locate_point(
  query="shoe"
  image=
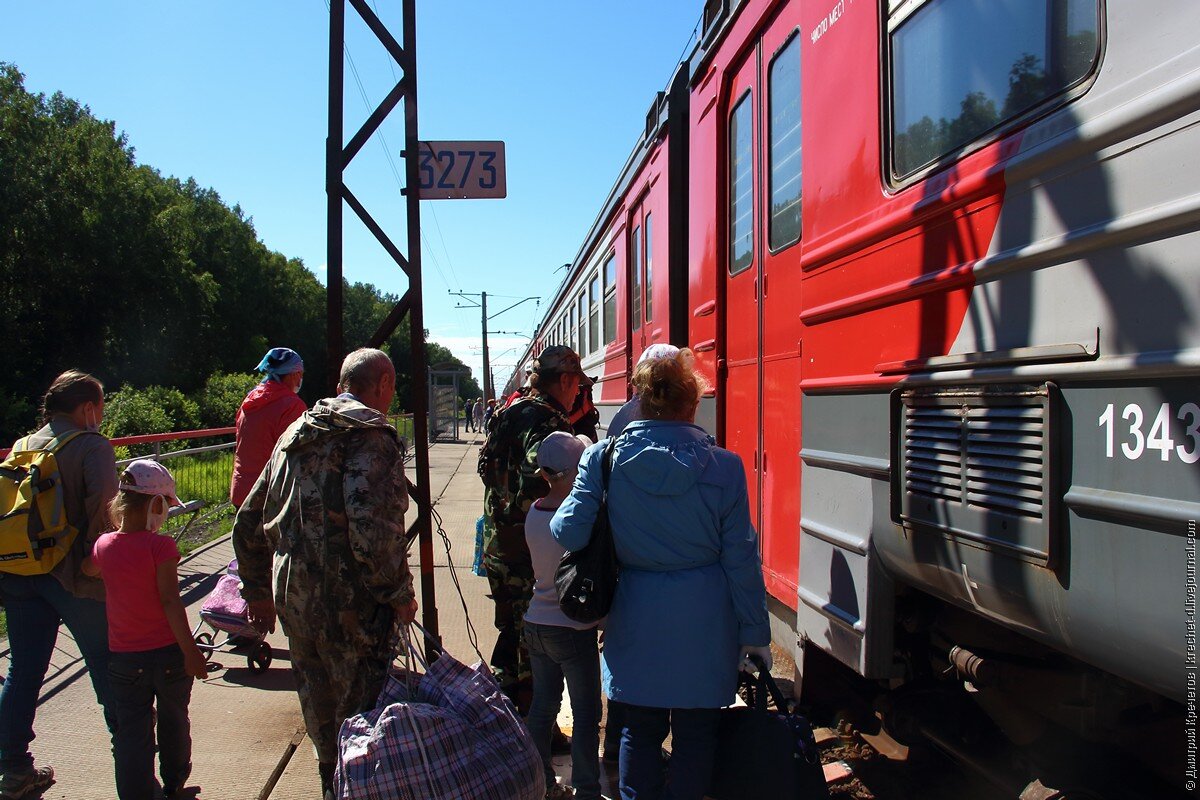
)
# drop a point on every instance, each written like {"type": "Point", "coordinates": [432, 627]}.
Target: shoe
{"type": "Point", "coordinates": [172, 789]}
{"type": "Point", "coordinates": [16, 785]}
{"type": "Point", "coordinates": [560, 743]}
{"type": "Point", "coordinates": [558, 791]}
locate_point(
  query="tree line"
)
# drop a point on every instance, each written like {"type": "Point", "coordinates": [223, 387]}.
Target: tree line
{"type": "Point", "coordinates": [144, 280]}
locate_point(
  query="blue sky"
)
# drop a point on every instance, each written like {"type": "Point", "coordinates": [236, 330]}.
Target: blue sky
{"type": "Point", "coordinates": [234, 95]}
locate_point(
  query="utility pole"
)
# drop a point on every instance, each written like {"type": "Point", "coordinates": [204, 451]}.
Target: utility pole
{"type": "Point", "coordinates": [488, 383]}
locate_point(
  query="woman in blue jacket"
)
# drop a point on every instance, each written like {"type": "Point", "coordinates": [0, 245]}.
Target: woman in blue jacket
{"type": "Point", "coordinates": [690, 606]}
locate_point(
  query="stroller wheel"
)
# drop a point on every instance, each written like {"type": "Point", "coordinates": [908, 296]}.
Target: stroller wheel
{"type": "Point", "coordinates": [259, 659]}
{"type": "Point", "coordinates": [204, 641]}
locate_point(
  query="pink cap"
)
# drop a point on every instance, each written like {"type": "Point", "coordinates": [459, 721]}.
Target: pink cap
{"type": "Point", "coordinates": [149, 477]}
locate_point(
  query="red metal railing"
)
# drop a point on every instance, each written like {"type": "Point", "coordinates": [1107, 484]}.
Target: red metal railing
{"type": "Point", "coordinates": [152, 438]}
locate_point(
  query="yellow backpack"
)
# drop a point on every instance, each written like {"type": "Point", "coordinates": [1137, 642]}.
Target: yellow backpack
{"type": "Point", "coordinates": [34, 532]}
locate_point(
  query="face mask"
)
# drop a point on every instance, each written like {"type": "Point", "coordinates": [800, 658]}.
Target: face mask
{"type": "Point", "coordinates": [90, 422]}
{"type": "Point", "coordinates": [298, 385]}
{"type": "Point", "coordinates": [155, 519]}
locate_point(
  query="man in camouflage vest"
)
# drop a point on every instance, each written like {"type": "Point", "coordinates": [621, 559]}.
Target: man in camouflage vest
{"type": "Point", "coordinates": [508, 466]}
{"type": "Point", "coordinates": [327, 514]}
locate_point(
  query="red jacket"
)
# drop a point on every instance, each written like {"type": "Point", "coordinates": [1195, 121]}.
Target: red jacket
{"type": "Point", "coordinates": [265, 414]}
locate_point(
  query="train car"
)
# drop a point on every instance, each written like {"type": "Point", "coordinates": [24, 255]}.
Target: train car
{"type": "Point", "coordinates": [940, 267]}
{"type": "Point", "coordinates": [614, 300]}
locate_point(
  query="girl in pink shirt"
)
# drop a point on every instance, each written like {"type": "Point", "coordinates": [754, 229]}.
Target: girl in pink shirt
{"type": "Point", "coordinates": [154, 659]}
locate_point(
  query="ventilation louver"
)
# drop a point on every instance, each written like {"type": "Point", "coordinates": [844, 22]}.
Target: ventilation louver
{"type": "Point", "coordinates": [976, 464]}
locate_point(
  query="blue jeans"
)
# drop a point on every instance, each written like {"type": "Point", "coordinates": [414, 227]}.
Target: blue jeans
{"type": "Point", "coordinates": [557, 653]}
{"type": "Point", "coordinates": [693, 749]}
{"type": "Point", "coordinates": [141, 681]}
{"type": "Point", "coordinates": [35, 605]}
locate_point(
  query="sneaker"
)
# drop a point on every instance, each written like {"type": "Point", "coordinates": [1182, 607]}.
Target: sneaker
{"type": "Point", "coordinates": [559, 791]}
{"type": "Point", "coordinates": [16, 785]}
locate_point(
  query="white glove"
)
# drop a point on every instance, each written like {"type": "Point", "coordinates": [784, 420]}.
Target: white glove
{"type": "Point", "coordinates": [763, 654]}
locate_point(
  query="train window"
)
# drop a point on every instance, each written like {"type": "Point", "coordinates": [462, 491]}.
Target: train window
{"type": "Point", "coordinates": [649, 271]}
{"type": "Point", "coordinates": [570, 320]}
{"type": "Point", "coordinates": [581, 315]}
{"type": "Point", "coordinates": [610, 299]}
{"type": "Point", "coordinates": [961, 70]}
{"type": "Point", "coordinates": [594, 313]}
{"type": "Point", "coordinates": [635, 291]}
{"type": "Point", "coordinates": [784, 87]}
{"type": "Point", "coordinates": [741, 186]}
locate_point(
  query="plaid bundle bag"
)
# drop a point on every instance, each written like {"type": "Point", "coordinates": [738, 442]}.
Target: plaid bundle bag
{"type": "Point", "coordinates": [450, 733]}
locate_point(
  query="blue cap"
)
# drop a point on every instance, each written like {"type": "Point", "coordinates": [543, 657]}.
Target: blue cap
{"type": "Point", "coordinates": [280, 361]}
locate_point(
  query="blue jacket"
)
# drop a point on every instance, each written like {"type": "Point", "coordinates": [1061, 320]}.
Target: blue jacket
{"type": "Point", "coordinates": [691, 589]}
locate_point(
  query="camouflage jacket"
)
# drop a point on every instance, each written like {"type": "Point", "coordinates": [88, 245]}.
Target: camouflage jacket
{"type": "Point", "coordinates": [327, 514]}
{"type": "Point", "coordinates": [508, 460]}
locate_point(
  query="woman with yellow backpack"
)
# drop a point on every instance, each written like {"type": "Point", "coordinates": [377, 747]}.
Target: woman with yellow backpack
{"type": "Point", "coordinates": [55, 487]}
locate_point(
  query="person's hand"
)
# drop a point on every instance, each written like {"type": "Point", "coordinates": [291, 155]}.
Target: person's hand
{"type": "Point", "coordinates": [407, 612]}
{"type": "Point", "coordinates": [753, 657]}
{"type": "Point", "coordinates": [195, 663]}
{"type": "Point", "coordinates": [262, 614]}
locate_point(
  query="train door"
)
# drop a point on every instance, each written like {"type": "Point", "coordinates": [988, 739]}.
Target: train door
{"type": "Point", "coordinates": [740, 389]}
{"type": "Point", "coordinates": [641, 230]}
{"type": "Point", "coordinates": [762, 339]}
{"type": "Point", "coordinates": [780, 286]}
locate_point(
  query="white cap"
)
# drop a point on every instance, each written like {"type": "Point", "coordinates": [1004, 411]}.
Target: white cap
{"type": "Point", "coordinates": [560, 452]}
{"type": "Point", "coordinates": [656, 351]}
{"type": "Point", "coordinates": [149, 477]}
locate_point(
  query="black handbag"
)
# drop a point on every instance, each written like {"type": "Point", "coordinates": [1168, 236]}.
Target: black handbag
{"type": "Point", "coordinates": [586, 579]}
{"type": "Point", "coordinates": [764, 752]}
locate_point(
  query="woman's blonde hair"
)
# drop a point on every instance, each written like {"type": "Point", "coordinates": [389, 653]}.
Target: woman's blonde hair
{"type": "Point", "coordinates": [670, 388]}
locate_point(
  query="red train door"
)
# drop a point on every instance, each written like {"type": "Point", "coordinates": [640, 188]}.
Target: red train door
{"type": "Point", "coordinates": [741, 388]}
{"type": "Point", "coordinates": [762, 334]}
{"type": "Point", "coordinates": [778, 190]}
{"type": "Point", "coordinates": [640, 234]}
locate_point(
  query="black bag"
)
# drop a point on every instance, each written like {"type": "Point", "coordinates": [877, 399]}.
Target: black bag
{"type": "Point", "coordinates": [586, 579]}
{"type": "Point", "coordinates": [766, 753]}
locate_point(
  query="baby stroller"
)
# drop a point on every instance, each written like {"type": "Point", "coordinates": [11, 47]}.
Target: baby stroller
{"type": "Point", "coordinates": [226, 612]}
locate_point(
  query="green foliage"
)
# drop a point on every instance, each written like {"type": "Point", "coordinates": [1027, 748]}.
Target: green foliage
{"type": "Point", "coordinates": [142, 280]}
{"type": "Point", "coordinates": [221, 397]}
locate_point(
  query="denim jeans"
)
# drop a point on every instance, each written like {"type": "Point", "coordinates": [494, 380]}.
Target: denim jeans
{"type": "Point", "coordinates": [557, 653]}
{"type": "Point", "coordinates": [139, 682]}
{"type": "Point", "coordinates": [693, 749]}
{"type": "Point", "coordinates": [35, 605]}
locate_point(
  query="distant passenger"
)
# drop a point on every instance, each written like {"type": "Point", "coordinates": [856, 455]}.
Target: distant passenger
{"type": "Point", "coordinates": [632, 410]}
{"type": "Point", "coordinates": [72, 408]}
{"type": "Point", "coordinates": [468, 415]}
{"type": "Point", "coordinates": [488, 413]}
{"type": "Point", "coordinates": [477, 414]}
{"type": "Point", "coordinates": [691, 593]}
{"type": "Point", "coordinates": [267, 411]}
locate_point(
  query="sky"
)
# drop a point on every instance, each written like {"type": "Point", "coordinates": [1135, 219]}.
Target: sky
{"type": "Point", "coordinates": [234, 93]}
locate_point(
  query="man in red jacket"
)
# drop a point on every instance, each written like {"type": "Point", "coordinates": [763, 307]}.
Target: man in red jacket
{"type": "Point", "coordinates": [265, 414]}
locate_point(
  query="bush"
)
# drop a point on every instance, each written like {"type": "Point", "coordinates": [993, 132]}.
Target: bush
{"type": "Point", "coordinates": [155, 409]}
{"type": "Point", "coordinates": [221, 397]}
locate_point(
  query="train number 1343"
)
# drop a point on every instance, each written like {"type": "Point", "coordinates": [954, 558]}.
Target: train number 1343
{"type": "Point", "coordinates": [1136, 440]}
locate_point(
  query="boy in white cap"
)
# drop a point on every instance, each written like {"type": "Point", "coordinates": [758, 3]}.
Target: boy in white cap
{"type": "Point", "coordinates": [559, 647]}
{"type": "Point", "coordinates": [153, 656]}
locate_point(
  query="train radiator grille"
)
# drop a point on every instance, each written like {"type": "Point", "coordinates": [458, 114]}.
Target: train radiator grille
{"type": "Point", "coordinates": [975, 463]}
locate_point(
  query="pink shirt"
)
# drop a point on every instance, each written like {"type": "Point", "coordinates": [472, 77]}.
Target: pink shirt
{"type": "Point", "coordinates": [128, 564]}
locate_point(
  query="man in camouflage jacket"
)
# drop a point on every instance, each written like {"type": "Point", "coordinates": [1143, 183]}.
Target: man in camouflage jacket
{"type": "Point", "coordinates": [327, 517]}
{"type": "Point", "coordinates": [508, 466]}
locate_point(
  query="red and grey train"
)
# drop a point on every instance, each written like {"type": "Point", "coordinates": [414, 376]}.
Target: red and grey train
{"type": "Point", "coordinates": [938, 259]}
